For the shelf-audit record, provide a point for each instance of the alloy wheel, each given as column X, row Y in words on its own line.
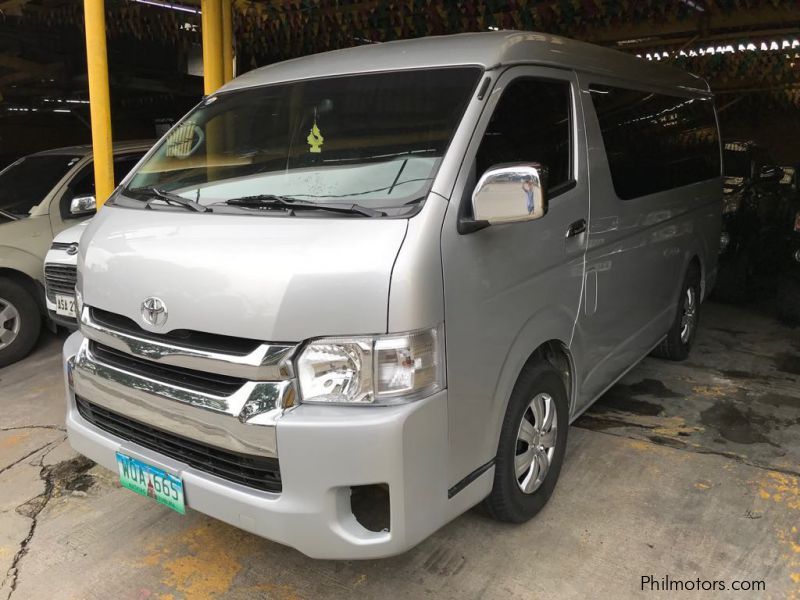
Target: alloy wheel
column 689, row 315
column 536, row 443
column 10, row 323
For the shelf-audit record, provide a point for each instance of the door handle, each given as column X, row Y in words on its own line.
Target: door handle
column 577, row 228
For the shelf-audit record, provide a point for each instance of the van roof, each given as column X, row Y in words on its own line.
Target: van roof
column 487, row 50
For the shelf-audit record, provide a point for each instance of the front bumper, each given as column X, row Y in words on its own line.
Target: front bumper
column 323, row 451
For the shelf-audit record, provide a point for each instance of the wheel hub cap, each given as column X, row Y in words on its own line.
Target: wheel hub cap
column 9, row 323
column 689, row 314
column 536, row 441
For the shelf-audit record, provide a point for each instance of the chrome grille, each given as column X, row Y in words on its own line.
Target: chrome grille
column 208, row 389
column 60, row 279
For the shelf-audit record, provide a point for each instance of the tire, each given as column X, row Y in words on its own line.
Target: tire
column 507, row 501
column 679, row 339
column 20, row 322
column 788, row 302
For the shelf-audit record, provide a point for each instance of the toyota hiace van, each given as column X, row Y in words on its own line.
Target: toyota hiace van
column 352, row 295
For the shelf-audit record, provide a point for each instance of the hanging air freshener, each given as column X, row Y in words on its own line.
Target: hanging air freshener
column 315, row 139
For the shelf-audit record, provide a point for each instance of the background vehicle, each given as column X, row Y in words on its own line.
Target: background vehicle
column 788, row 294
column 60, row 275
column 40, row 195
column 750, row 224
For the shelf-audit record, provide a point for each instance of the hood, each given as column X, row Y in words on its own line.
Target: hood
column 71, row 235
column 278, row 279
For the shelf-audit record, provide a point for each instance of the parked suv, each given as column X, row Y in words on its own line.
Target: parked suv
column 352, row 295
column 40, row 195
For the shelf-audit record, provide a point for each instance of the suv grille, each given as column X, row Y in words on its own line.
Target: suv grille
column 199, row 381
column 262, row 473
column 60, row 279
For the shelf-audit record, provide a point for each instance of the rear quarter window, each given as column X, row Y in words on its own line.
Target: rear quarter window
column 656, row 142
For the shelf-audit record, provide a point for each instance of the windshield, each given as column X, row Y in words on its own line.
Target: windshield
column 25, row 183
column 375, row 140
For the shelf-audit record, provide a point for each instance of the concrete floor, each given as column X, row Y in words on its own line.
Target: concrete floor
column 685, row 470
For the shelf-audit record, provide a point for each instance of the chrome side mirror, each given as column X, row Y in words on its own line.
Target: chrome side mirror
column 510, row 193
column 83, row 205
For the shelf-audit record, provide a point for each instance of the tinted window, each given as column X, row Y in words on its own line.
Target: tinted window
column 25, row 183
column 655, row 142
column 531, row 123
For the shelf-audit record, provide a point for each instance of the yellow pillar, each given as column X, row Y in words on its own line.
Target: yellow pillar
column 99, row 98
column 212, row 45
column 227, row 41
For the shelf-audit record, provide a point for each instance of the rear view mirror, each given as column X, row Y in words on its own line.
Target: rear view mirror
column 82, row 205
column 510, row 193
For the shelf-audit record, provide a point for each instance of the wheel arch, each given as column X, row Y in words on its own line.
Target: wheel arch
column 28, row 282
column 549, row 346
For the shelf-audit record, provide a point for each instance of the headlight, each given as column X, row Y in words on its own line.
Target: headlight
column 731, row 204
column 78, row 303
column 372, row 370
column 724, row 241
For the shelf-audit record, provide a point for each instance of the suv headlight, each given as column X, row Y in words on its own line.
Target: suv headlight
column 732, row 203
column 387, row 369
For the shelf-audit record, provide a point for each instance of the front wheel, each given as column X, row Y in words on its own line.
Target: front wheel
column 20, row 322
column 532, row 443
column 679, row 339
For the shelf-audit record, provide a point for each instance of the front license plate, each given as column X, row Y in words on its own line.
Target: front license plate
column 151, row 481
column 65, row 306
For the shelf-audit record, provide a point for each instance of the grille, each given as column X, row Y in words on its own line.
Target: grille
column 60, row 279
column 200, row 381
column 262, row 473
column 196, row 340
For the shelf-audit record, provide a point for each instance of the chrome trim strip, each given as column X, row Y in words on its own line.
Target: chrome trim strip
column 268, row 362
column 243, row 422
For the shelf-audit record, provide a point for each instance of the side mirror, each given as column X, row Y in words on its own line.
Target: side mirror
column 510, row 193
column 82, row 205
column 770, row 173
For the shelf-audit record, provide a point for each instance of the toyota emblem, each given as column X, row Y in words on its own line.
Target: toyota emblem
column 154, row 311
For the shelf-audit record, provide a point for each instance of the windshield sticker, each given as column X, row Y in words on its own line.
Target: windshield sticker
column 315, row 139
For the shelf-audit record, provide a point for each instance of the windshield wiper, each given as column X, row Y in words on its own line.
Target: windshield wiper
column 273, row 201
column 8, row 215
column 157, row 194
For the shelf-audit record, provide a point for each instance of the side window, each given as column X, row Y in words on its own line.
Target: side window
column 83, row 183
column 123, row 166
column 531, row 123
column 656, row 142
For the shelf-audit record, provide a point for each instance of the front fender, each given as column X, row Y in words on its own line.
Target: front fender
column 23, row 262
column 549, row 324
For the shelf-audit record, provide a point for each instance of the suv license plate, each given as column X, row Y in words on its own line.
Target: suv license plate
column 151, row 481
column 65, row 306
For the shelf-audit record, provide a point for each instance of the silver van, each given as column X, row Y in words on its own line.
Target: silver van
column 352, row 295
